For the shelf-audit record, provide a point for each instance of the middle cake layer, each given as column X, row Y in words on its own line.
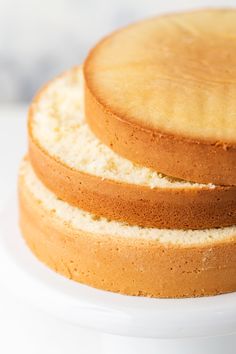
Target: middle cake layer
column 77, row 167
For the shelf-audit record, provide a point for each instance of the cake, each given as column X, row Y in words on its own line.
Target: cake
column 129, row 182
column 165, row 87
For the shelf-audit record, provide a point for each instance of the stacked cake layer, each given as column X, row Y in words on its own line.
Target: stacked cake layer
column 162, row 93
column 127, row 259
column 96, row 204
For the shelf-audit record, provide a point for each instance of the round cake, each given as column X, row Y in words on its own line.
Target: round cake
column 129, row 182
column 166, row 87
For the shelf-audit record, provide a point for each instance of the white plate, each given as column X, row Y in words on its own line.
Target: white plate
column 105, row 311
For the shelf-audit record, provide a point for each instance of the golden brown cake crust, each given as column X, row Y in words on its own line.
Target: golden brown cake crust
column 123, row 264
column 202, row 147
column 196, row 208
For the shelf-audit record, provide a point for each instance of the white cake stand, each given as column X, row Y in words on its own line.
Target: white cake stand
column 127, row 324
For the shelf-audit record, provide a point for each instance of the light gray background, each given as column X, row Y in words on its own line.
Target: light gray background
column 40, row 38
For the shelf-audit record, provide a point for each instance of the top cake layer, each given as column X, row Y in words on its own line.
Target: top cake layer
column 169, row 83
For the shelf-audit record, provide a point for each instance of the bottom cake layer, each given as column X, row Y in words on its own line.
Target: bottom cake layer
column 126, row 259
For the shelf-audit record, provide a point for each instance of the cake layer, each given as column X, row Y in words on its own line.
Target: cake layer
column 162, row 92
column 74, row 164
column 114, row 256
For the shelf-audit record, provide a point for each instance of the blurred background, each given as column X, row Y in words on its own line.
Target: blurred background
column 41, row 38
